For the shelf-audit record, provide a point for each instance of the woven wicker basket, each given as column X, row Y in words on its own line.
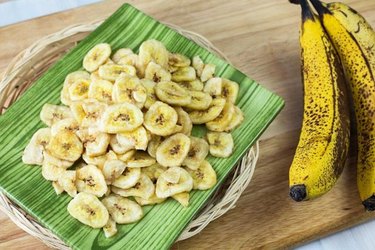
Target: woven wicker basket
column 26, row 67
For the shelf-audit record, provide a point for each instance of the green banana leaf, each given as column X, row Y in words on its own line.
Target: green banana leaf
column 163, row 223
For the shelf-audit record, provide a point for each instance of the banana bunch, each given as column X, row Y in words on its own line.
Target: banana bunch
column 126, row 132
column 354, row 40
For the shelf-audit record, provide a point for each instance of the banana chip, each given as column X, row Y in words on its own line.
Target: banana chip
column 88, row 209
column 122, row 210
column 221, row 144
column 172, row 93
column 33, row 153
column 50, row 114
column 97, row 56
column 91, row 180
column 144, row 188
column 173, row 151
column 166, row 189
column 122, row 117
column 160, row 119
column 204, row 177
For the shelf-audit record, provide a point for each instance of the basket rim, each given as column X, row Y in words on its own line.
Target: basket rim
column 215, row 208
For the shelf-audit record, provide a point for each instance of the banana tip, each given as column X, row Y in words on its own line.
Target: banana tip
column 369, row 203
column 294, row 1
column 298, row 192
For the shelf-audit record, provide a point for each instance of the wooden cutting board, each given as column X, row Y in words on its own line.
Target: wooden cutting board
column 261, row 39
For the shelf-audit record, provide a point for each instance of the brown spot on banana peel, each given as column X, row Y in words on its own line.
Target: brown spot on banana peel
column 324, row 141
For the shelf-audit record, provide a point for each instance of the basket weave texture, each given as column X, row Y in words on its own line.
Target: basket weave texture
column 27, row 66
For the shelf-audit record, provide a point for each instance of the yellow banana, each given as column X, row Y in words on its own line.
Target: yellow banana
column 356, row 54
column 356, row 25
column 324, row 138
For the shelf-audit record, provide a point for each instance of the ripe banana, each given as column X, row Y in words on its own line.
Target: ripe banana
column 324, row 138
column 356, row 49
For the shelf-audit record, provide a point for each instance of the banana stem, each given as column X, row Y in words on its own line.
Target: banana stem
column 320, row 8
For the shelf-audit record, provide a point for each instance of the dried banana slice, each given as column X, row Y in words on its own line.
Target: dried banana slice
column 166, row 189
column 123, row 210
column 208, row 72
column 58, row 189
column 184, row 120
column 69, row 80
column 88, row 209
column 79, row 90
column 160, row 119
column 153, row 145
column 150, row 201
column 51, row 172
column 213, row 86
column 144, row 188
column 172, row 93
column 129, row 89
column 66, row 146
column 95, row 160
column 94, row 141
column 116, row 146
column 220, row 123
column 50, row 114
column 195, row 85
column 199, row 100
column 184, row 74
column 237, row 119
column 182, row 198
column 127, row 179
column 173, row 150
column 101, row 90
column 153, row 50
column 113, row 169
column 198, row 65
column 125, row 56
column 97, row 56
column 173, row 175
column 48, row 158
column 122, row 117
column 151, row 96
column 67, row 180
column 111, row 72
column 157, row 73
column 204, row 116
column 110, row 228
column 230, row 90
column 68, row 124
column 126, row 156
column 33, row 152
column 93, row 111
column 91, row 180
column 88, row 112
column 178, row 60
column 153, row 171
column 204, row 177
column 140, row 160
column 221, row 144
column 197, row 153
column 136, row 139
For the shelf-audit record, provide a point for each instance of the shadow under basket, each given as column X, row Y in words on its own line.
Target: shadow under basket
column 31, row 63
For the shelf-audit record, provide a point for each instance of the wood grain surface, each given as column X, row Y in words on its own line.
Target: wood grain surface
column 261, row 39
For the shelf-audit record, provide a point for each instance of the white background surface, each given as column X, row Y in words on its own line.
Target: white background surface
column 358, row 238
